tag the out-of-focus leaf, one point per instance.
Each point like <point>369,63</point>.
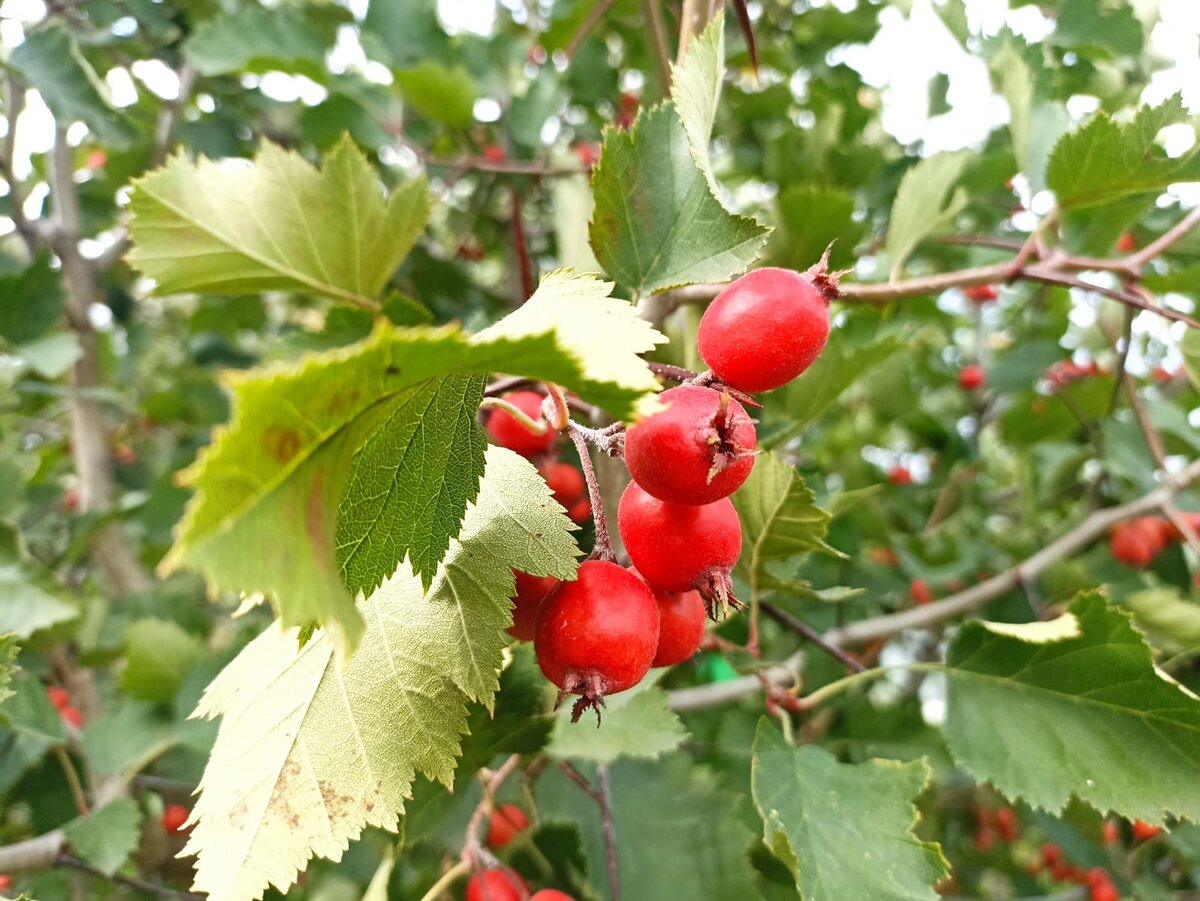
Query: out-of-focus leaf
<point>255,39</point>
<point>635,723</point>
<point>158,655</point>
<point>1172,621</point>
<point>106,837</point>
<point>33,302</point>
<point>926,203</point>
<point>442,93</point>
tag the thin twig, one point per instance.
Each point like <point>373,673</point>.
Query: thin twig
<point>14,102</point>
<point>604,781</point>
<point>68,768</point>
<point>674,373</point>
<point>660,53</point>
<point>447,879</point>
<point>579,779</point>
<point>585,27</point>
<point>967,601</point>
<point>798,625</point>
<point>1137,261</point>
<point>603,548</point>
<point>521,249</point>
<point>153,888</point>
<point>471,847</point>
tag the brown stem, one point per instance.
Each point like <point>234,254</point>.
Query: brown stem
<point>521,248</point>
<point>14,102</point>
<point>471,846</point>
<point>1137,260</point>
<point>660,53</point>
<point>595,14</point>
<point>68,768</point>
<point>604,782</point>
<point>603,549</point>
<point>696,16</point>
<point>89,430</point>
<point>74,863</point>
<point>798,625</point>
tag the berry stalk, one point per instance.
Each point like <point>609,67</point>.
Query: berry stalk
<point>603,549</point>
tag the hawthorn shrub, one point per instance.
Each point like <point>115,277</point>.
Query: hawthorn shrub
<point>585,455</point>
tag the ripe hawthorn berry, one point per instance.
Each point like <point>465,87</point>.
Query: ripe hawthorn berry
<point>680,548</point>
<point>506,431</point>
<point>173,817</point>
<point>900,475</point>
<point>1157,532</point>
<point>681,625</point>
<point>971,377</point>
<point>494,153</point>
<point>506,822</point>
<point>920,591</point>
<point>565,481</point>
<point>696,451</point>
<point>1128,545</point>
<point>1112,832</point>
<point>500,884</point>
<point>981,293</point>
<point>1105,891</point>
<point>58,697</point>
<point>768,326</point>
<point>527,601</point>
<point>579,511</point>
<point>550,894</point>
<point>1143,831</point>
<point>71,715</point>
<point>5,882</point>
<point>1051,854</point>
<point>1127,243</point>
<point>597,636</point>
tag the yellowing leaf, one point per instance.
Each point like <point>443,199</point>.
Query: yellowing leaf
<point>275,224</point>
<point>311,751</point>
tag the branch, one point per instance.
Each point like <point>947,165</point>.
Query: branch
<point>1136,261</point>
<point>660,53</point>
<point>958,604</point>
<point>153,888</point>
<point>89,431</point>
<point>14,102</point>
<point>798,625</point>
<point>610,830</point>
<point>696,16</point>
<point>585,27</point>
<point>603,549</point>
<point>39,853</point>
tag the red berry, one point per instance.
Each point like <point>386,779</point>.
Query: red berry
<point>1157,532</point>
<point>1126,243</point>
<point>70,499</point>
<point>920,591</point>
<point>981,293</point>
<point>971,377</point>
<point>588,153</point>
<point>506,431</point>
<point>565,481</point>
<point>1161,374</point>
<point>1006,823</point>
<point>1061,872</point>
<point>681,615</point>
<point>767,327</point>
<point>596,636</point>
<point>72,716</point>
<point>501,884</point>
<point>507,820</point>
<point>550,894</point>
<point>1097,876</point>
<point>1112,832</point>
<point>677,547</point>
<point>494,152</point>
<point>1105,891</point>
<point>96,159</point>
<point>1129,546</point>
<point>1051,854</point>
<point>173,817</point>
<point>696,451</point>
<point>900,475</point>
<point>984,839</point>
<point>58,697</point>
<point>580,510</point>
<point>884,556</point>
<point>1143,831</point>
<point>527,601</point>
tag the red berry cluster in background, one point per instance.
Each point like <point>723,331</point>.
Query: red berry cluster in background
<point>1064,372</point>
<point>995,825</point>
<point>1136,542</point>
<point>503,884</point>
<point>173,818</point>
<point>981,293</point>
<point>62,703</point>
<point>1052,861</point>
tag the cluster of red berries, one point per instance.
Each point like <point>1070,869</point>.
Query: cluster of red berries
<point>1136,542</point>
<point>1054,862</point>
<point>995,825</point>
<point>62,703</point>
<point>601,633</point>
<point>1064,372</point>
<point>502,883</point>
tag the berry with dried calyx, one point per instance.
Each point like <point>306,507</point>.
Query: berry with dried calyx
<point>507,431</point>
<point>678,547</point>
<point>597,636</point>
<point>696,451</point>
<point>768,326</point>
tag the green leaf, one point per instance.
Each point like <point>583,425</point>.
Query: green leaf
<point>277,224</point>
<point>28,601</point>
<point>106,837</point>
<point>840,365</point>
<point>411,482</point>
<point>679,833</point>
<point>270,486</point>
<point>49,60</point>
<point>696,92</point>
<point>927,202</point>
<point>1035,122</point>
<point>444,94</point>
<point>1106,160</point>
<point>1189,346</point>
<point>1076,707</point>
<point>780,518</point>
<point>33,302</point>
<point>254,39</point>
<point>51,356</point>
<point>809,219</point>
<point>311,750</point>
<point>1172,621</point>
<point>8,664</point>
<point>124,740</point>
<point>158,655</point>
<point>403,32</point>
<point>28,710</point>
<point>635,723</point>
<point>1090,23</point>
<point>845,830</point>
<point>656,223</point>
